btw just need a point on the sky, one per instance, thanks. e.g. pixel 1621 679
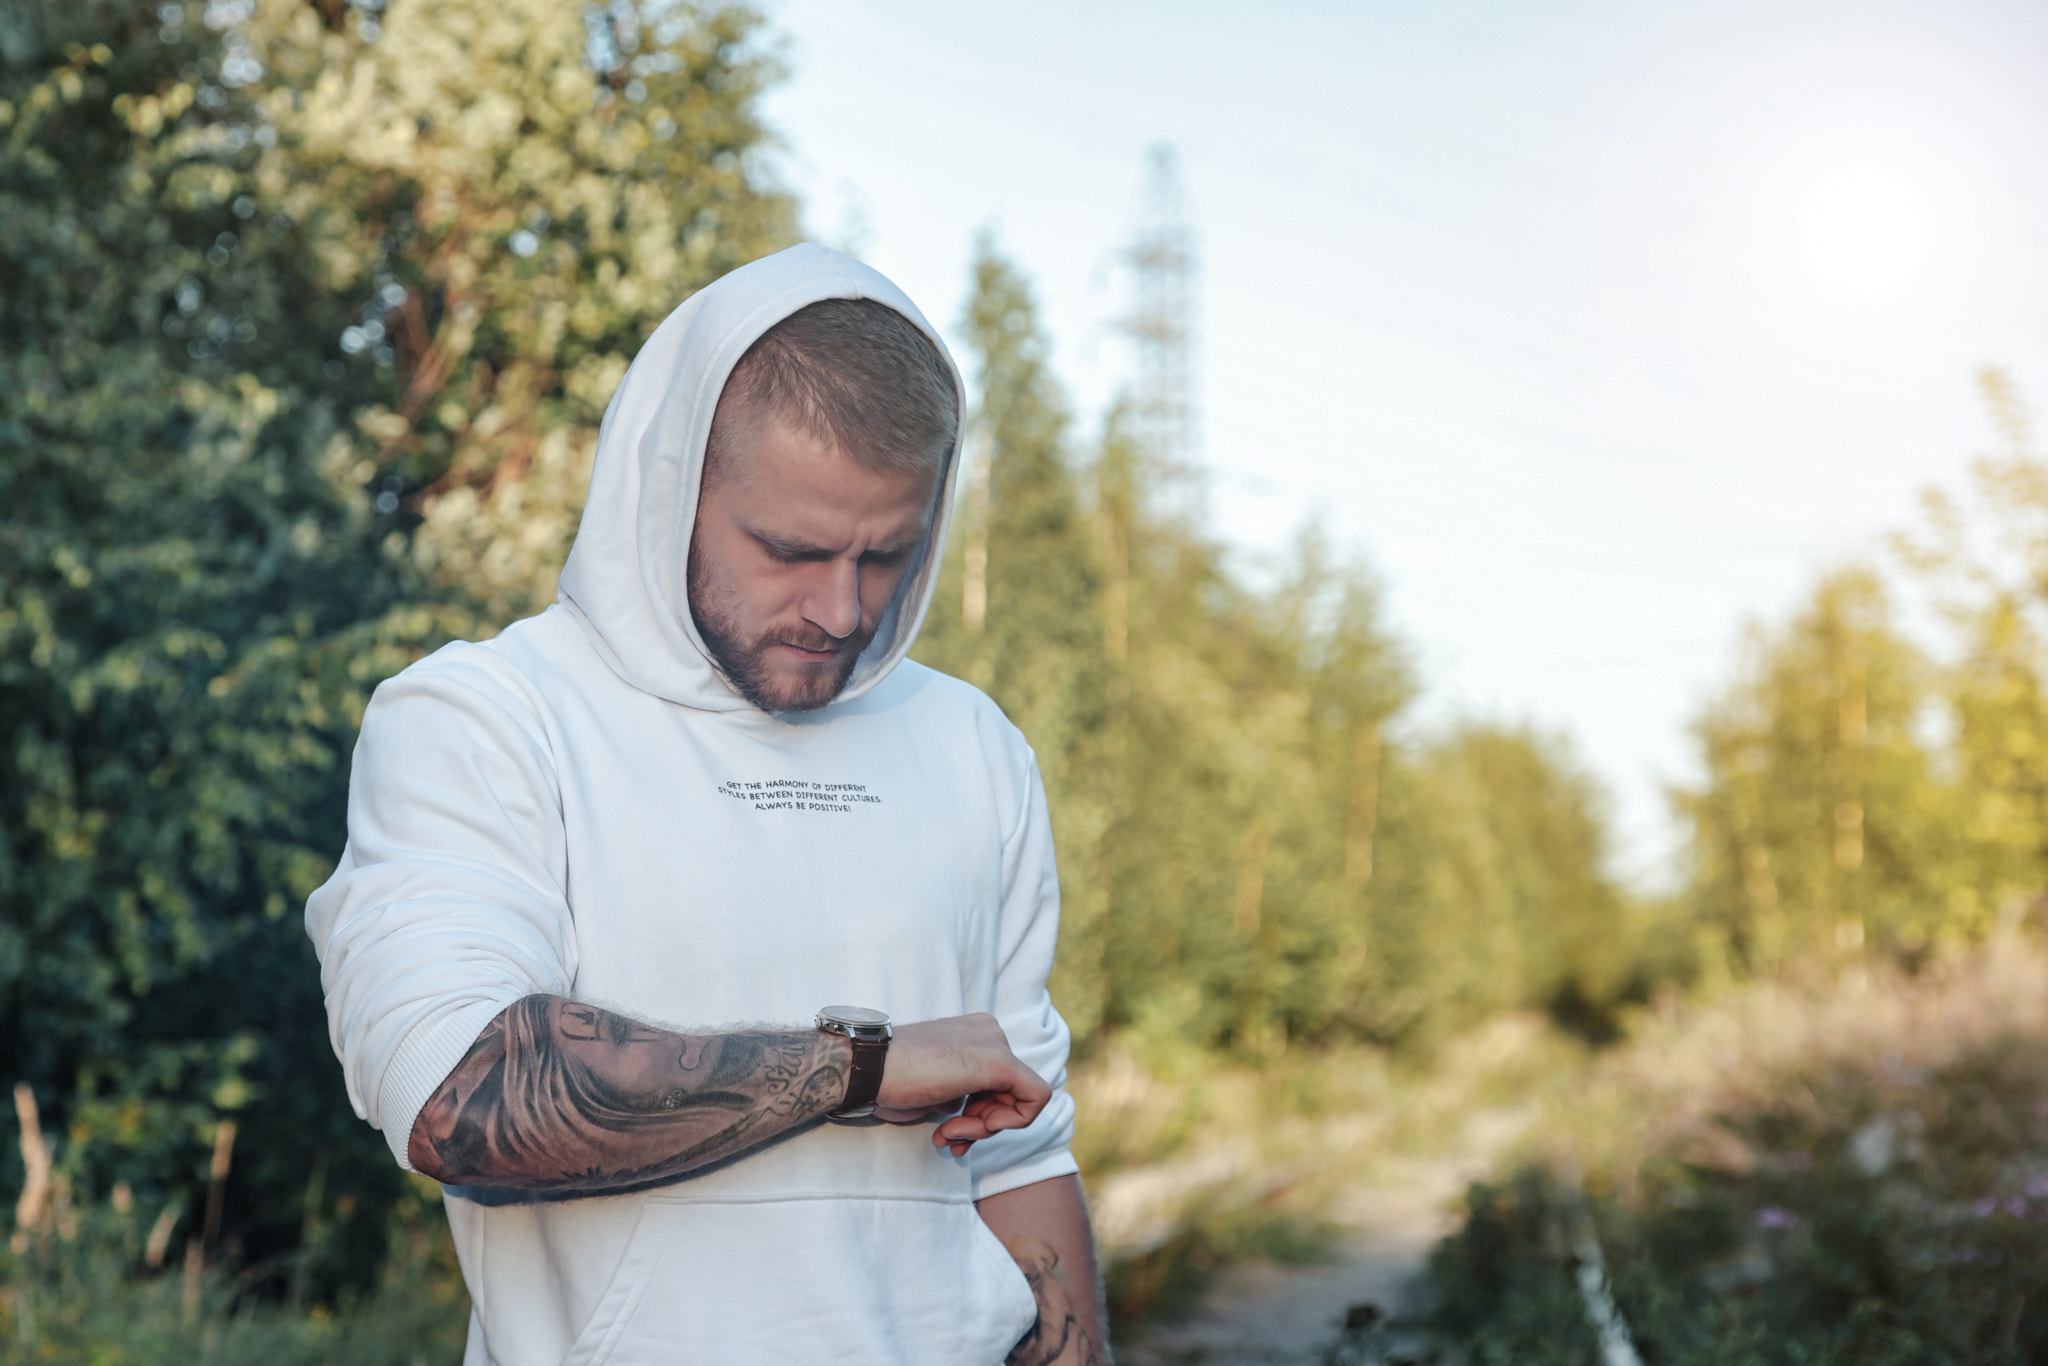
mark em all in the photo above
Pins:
pixel 1597 329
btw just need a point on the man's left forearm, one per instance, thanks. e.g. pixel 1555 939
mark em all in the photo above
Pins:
pixel 1045 1227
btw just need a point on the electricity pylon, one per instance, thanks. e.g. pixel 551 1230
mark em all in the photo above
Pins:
pixel 1164 403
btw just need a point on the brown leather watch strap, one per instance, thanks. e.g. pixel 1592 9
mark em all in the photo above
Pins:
pixel 863 1078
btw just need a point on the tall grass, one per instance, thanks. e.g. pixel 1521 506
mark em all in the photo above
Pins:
pixel 1847 1171
pixel 78 1285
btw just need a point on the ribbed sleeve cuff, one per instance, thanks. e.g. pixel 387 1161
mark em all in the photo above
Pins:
pixel 1043 1167
pixel 422 1062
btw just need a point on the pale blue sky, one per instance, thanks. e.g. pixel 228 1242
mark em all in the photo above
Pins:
pixel 1594 326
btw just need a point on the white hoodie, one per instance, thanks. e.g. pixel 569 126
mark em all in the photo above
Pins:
pixel 583 806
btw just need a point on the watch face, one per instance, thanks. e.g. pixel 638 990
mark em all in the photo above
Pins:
pixel 854 1017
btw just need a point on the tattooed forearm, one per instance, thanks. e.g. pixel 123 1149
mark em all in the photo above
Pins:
pixel 565 1097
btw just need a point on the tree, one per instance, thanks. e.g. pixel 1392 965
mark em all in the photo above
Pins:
pixel 1019 605
pixel 1984 557
pixel 308 327
pixel 512 196
pixel 1821 821
pixel 1249 852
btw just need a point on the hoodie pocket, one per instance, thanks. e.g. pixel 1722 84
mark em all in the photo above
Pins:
pixel 621 1298
pixel 914 1281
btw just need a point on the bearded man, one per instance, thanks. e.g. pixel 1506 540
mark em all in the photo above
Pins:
pixel 703 790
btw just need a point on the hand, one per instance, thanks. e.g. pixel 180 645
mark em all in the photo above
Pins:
pixel 1061 1336
pixel 938 1064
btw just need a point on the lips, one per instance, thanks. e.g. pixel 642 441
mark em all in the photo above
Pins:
pixel 830 649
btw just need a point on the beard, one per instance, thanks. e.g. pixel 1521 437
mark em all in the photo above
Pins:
pixel 806 686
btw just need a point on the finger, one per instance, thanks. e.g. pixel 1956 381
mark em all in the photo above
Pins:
pixel 957 1144
pixel 962 1129
pixel 889 1115
pixel 993 1121
pixel 999 1111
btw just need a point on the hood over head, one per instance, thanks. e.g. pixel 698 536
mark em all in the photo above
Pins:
pixel 627 576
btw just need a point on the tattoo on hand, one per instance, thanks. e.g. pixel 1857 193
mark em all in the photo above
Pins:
pixel 561 1096
pixel 1058 1337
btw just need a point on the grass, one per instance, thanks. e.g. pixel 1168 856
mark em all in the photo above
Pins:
pixel 79 1290
pixel 1848 1171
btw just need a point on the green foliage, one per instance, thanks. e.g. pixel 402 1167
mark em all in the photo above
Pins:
pixel 1494 895
pixel 510 197
pixel 1019 610
pixel 1823 821
pixel 306 335
pixel 1504 1288
pixel 1865 1214
pixel 1868 792
pixel 1249 851
pixel 73 1293
pixel 193 608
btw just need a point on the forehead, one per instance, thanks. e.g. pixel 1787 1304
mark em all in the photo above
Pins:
pixel 791 477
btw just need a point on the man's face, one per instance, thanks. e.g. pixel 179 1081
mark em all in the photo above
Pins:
pixel 796 554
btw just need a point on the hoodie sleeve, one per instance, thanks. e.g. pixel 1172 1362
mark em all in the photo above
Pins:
pixel 1029 926
pixel 449 903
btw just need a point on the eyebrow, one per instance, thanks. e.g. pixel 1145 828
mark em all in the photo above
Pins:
pixel 804 550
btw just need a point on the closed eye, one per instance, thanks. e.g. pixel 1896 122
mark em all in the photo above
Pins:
pixel 792 552
pixel 795 552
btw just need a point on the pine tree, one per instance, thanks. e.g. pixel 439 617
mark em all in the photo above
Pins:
pixel 1019 610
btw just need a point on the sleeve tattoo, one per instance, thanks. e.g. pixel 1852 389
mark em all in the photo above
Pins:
pixel 570 1098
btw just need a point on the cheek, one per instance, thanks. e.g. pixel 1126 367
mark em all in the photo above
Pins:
pixel 761 593
pixel 877 586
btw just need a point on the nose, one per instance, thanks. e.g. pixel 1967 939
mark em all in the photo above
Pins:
pixel 834 603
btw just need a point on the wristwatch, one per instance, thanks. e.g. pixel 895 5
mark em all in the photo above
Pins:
pixel 869 1032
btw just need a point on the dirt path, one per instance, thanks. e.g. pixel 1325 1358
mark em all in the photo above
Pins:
pixel 1265 1315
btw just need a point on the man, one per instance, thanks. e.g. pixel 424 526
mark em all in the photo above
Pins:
pixel 705 789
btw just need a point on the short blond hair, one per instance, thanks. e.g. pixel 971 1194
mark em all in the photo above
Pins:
pixel 853 372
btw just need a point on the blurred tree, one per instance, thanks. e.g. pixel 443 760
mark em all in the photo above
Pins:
pixel 1862 789
pixel 1984 557
pixel 311 314
pixel 1522 869
pixel 193 605
pixel 1247 856
pixel 511 195
pixel 1822 821
pixel 1020 608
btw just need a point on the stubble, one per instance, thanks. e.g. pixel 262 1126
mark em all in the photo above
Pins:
pixel 744 661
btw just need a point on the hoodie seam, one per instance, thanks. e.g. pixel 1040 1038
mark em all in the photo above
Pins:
pixel 808 1197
